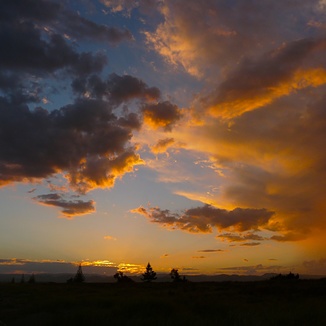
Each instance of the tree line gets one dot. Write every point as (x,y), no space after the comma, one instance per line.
(148,276)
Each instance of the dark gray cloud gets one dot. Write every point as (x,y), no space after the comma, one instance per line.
(117,89)
(211,250)
(69,208)
(161,115)
(76,138)
(54,16)
(203,219)
(41,40)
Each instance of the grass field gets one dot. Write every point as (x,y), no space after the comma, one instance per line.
(287,303)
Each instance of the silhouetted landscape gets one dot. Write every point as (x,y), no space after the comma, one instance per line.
(272,299)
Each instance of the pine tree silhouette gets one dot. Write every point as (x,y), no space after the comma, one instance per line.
(79,277)
(31,279)
(149,275)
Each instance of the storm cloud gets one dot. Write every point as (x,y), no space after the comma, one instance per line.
(89,137)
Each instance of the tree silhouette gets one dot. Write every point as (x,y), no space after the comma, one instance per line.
(176,277)
(149,275)
(121,278)
(79,277)
(22,279)
(31,279)
(282,277)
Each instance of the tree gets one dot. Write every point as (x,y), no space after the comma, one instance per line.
(176,277)
(281,277)
(121,278)
(79,277)
(31,279)
(149,275)
(22,279)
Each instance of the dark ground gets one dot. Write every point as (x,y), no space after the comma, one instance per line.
(301,302)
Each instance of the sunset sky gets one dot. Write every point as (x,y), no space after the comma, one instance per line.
(188,134)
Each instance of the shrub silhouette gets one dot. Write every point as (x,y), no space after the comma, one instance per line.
(121,278)
(149,275)
(176,277)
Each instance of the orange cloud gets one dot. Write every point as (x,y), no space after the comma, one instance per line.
(109,237)
(162,145)
(102,172)
(256,98)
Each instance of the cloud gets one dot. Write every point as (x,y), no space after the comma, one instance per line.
(21,266)
(231,237)
(131,268)
(250,244)
(109,237)
(145,6)
(116,89)
(54,17)
(161,115)
(198,257)
(224,33)
(265,77)
(254,269)
(289,236)
(211,250)
(45,32)
(162,145)
(256,83)
(85,139)
(203,219)
(89,139)
(70,208)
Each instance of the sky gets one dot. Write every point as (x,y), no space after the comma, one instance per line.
(188,134)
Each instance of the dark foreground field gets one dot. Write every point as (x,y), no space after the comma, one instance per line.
(296,303)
